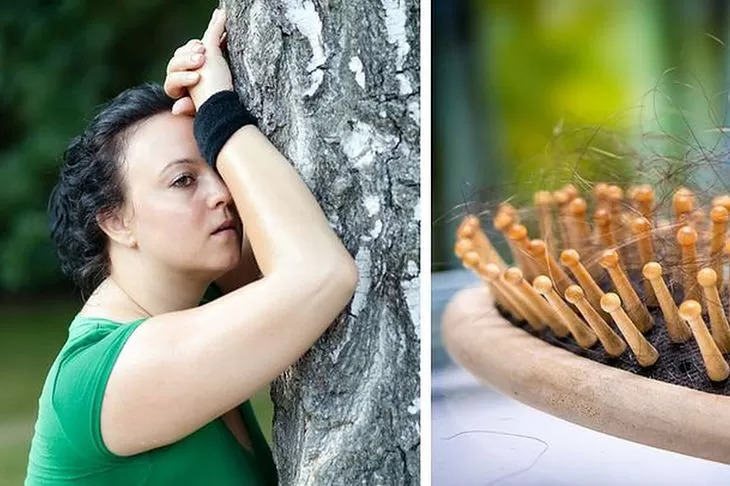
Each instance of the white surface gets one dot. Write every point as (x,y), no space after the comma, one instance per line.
(481,437)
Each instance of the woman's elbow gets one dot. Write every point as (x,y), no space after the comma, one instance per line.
(341,275)
(349,275)
(336,274)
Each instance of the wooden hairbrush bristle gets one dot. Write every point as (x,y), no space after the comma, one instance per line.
(644,200)
(612,342)
(536,316)
(561,200)
(571,259)
(707,278)
(602,220)
(683,207)
(470,231)
(645,353)
(722,200)
(687,239)
(503,222)
(543,200)
(717,367)
(644,241)
(543,309)
(548,265)
(517,235)
(676,328)
(636,309)
(491,273)
(577,226)
(582,333)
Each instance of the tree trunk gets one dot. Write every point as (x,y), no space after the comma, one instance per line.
(335,85)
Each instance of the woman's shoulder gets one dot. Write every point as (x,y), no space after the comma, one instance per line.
(86,330)
(67,429)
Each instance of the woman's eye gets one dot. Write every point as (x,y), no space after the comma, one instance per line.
(184,180)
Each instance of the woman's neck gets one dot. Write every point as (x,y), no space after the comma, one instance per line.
(137,289)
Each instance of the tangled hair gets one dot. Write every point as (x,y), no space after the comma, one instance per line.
(91,183)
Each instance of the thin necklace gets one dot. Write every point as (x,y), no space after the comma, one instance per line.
(149,314)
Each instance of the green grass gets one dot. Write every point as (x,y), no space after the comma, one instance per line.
(29,342)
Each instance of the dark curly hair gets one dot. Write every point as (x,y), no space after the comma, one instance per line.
(91,183)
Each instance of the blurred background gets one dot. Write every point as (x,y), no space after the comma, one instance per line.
(58,62)
(535,94)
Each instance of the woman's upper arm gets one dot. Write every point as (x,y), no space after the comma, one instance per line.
(179,371)
(77,390)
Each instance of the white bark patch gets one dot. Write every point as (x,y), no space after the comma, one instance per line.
(412,268)
(356,67)
(363,143)
(299,148)
(306,19)
(411,289)
(377,229)
(415,406)
(417,210)
(335,353)
(395,25)
(372,204)
(304,16)
(316,77)
(404,84)
(363,262)
(414,111)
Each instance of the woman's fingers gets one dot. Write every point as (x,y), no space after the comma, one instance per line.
(186,62)
(193,45)
(216,28)
(184,106)
(176,83)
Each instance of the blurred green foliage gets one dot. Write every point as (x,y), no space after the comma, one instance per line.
(58,62)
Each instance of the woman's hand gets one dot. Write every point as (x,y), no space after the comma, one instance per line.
(181,75)
(192,80)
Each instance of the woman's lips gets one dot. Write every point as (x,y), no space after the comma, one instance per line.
(226,231)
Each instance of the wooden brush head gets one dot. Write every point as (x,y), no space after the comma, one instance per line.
(569,257)
(517,232)
(574,294)
(543,284)
(644,193)
(719,214)
(503,220)
(513,275)
(686,236)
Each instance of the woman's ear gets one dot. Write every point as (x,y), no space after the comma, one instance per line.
(116,225)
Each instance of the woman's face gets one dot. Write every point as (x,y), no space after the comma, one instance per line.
(177,201)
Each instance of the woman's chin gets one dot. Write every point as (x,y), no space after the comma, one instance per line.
(230,264)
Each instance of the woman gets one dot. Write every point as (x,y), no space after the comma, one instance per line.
(151,388)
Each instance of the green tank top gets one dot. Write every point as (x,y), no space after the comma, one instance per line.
(67,446)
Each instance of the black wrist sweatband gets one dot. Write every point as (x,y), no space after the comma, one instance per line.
(217,119)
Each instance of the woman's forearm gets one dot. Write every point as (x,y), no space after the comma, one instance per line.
(284,223)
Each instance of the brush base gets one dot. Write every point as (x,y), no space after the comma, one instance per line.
(585,392)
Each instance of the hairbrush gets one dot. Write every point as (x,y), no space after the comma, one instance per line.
(614,318)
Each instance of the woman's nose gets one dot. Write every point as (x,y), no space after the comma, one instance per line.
(219,193)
